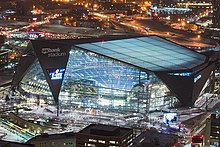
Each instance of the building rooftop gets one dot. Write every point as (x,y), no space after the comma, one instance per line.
(147,52)
(152,138)
(46,136)
(105,130)
(13,144)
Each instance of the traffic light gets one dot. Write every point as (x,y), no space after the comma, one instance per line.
(155,14)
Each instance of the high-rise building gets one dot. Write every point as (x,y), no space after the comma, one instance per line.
(105,136)
(216,12)
(24,7)
(212,130)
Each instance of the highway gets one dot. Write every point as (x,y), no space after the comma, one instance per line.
(150,26)
(7,32)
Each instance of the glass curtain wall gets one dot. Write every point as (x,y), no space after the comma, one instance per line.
(95,81)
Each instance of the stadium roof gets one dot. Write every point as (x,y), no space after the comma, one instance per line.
(3,52)
(151,52)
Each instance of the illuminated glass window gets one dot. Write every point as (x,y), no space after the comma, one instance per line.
(101,141)
(92,140)
(113,142)
(90,145)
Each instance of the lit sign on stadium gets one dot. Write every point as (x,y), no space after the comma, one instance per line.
(170,118)
(57,74)
(197,78)
(53,52)
(184,74)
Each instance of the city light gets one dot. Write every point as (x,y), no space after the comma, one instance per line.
(149,68)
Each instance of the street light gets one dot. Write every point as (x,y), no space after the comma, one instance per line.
(183,23)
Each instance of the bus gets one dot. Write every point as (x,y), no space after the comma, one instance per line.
(197,141)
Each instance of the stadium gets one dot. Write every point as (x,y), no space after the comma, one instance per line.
(139,74)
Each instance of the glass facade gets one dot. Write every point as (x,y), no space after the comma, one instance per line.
(95,81)
(151,53)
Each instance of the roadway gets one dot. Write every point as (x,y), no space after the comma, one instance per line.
(149,26)
(179,36)
(20,26)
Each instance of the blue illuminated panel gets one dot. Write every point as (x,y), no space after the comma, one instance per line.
(170,118)
(183,74)
(57,74)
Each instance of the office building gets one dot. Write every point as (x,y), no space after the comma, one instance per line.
(153,138)
(104,136)
(212,130)
(216,12)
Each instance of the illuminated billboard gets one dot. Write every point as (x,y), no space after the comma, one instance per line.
(56,74)
(170,118)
